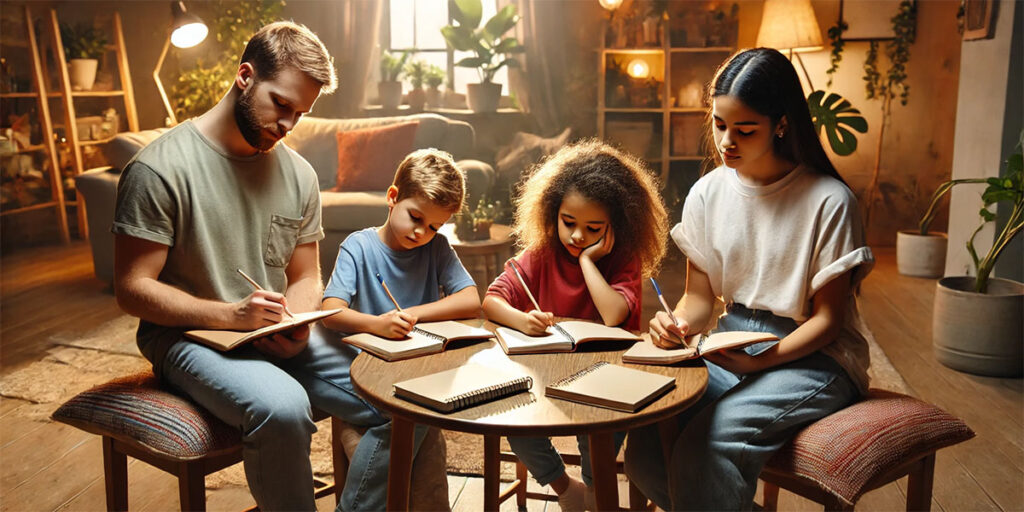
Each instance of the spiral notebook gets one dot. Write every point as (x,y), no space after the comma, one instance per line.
(425,338)
(646,352)
(462,387)
(611,386)
(565,336)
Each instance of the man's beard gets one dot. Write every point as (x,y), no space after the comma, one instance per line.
(249,124)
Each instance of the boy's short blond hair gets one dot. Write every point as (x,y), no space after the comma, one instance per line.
(432,175)
(285,43)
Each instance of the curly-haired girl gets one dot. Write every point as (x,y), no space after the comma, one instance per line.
(591,224)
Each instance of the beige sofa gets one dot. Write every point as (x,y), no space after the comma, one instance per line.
(316,140)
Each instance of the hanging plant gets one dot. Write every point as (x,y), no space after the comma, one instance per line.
(836,117)
(835,35)
(897,49)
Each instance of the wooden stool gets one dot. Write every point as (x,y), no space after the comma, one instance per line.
(863,447)
(637,501)
(137,418)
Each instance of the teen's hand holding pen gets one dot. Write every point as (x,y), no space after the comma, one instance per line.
(396,323)
(667,331)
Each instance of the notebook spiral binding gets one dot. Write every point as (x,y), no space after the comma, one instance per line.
(565,333)
(700,343)
(430,335)
(489,393)
(578,375)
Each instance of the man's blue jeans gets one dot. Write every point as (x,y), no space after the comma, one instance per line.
(270,401)
(741,421)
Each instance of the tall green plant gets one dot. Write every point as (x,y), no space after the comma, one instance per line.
(491,48)
(1007,188)
(200,87)
(82,41)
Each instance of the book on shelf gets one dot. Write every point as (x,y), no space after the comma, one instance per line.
(565,336)
(425,338)
(462,387)
(226,340)
(646,352)
(611,386)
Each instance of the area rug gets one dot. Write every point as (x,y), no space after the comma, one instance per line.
(75,362)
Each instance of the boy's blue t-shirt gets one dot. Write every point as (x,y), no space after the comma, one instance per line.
(416,276)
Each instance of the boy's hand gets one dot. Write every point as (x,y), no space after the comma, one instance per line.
(395,324)
(740,362)
(602,247)
(260,309)
(537,323)
(285,344)
(665,333)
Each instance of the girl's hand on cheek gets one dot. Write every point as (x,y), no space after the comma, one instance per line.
(602,247)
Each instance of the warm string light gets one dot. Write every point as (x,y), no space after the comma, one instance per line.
(638,68)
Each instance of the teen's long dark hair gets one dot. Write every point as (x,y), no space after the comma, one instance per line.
(765,80)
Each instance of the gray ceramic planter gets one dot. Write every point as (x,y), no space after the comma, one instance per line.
(979,333)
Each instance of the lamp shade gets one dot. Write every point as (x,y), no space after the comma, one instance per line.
(789,25)
(187,30)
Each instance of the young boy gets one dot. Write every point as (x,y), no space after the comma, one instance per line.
(416,264)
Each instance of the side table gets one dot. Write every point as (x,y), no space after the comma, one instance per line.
(482,258)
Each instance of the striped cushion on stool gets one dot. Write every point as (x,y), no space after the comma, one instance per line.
(844,452)
(136,410)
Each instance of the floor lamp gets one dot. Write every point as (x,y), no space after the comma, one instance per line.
(186,31)
(790,25)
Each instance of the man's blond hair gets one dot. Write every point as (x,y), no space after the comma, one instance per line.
(432,175)
(285,43)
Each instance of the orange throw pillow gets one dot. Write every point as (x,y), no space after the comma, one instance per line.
(368,158)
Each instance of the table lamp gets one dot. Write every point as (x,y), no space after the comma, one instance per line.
(790,25)
(186,31)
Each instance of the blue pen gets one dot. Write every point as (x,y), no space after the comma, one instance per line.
(387,291)
(664,304)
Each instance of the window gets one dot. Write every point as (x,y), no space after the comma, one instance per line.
(415,25)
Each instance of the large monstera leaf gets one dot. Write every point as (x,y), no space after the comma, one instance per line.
(836,117)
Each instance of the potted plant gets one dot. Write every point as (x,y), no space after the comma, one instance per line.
(434,78)
(476,224)
(416,70)
(492,50)
(977,321)
(83,46)
(920,252)
(390,88)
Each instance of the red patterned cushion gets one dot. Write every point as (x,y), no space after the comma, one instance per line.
(843,452)
(137,411)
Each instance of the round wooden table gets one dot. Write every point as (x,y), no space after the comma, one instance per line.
(524,414)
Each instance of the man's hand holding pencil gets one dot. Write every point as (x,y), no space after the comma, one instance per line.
(264,307)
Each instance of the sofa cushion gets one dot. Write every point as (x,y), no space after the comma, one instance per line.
(524,151)
(123,147)
(352,211)
(368,158)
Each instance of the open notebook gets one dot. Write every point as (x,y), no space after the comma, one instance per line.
(227,340)
(646,352)
(563,337)
(425,338)
(611,386)
(462,387)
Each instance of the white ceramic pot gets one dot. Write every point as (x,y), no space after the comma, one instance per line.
(483,97)
(921,255)
(390,94)
(82,73)
(979,333)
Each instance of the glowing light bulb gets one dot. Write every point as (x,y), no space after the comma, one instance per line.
(611,5)
(638,68)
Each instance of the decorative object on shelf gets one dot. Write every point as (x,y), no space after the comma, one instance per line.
(687,135)
(691,95)
(416,70)
(84,44)
(199,88)
(491,48)
(616,25)
(434,78)
(977,19)
(632,136)
(977,323)
(186,30)
(476,224)
(714,24)
(389,88)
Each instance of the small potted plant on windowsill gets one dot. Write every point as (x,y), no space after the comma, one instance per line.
(389,89)
(83,46)
(977,323)
(434,78)
(416,71)
(476,224)
(492,50)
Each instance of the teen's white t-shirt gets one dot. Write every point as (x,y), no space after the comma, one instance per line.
(773,247)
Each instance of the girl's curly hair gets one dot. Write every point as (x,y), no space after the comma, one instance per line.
(618,181)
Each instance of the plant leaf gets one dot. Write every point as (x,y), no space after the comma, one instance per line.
(830,113)
(501,22)
(466,12)
(459,38)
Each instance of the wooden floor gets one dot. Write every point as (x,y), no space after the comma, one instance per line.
(45,466)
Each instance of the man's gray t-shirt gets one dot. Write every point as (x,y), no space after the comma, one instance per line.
(217,213)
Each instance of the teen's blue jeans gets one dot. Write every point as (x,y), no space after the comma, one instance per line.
(730,433)
(270,401)
(544,462)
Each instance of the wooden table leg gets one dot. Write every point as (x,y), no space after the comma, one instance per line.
(602,461)
(400,470)
(492,472)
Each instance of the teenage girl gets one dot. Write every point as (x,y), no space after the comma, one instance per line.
(592,226)
(774,233)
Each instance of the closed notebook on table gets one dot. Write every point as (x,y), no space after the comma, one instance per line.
(425,338)
(462,387)
(227,340)
(646,352)
(564,336)
(611,386)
